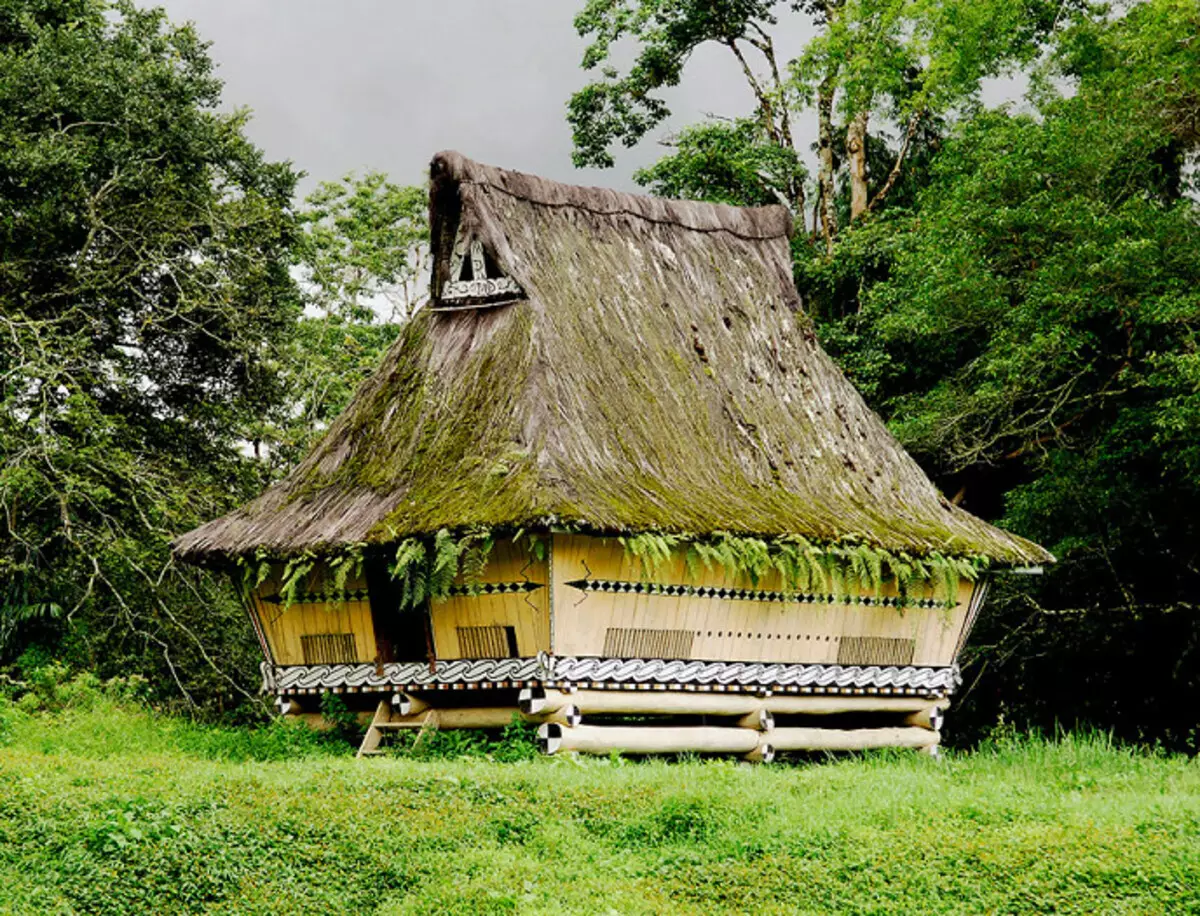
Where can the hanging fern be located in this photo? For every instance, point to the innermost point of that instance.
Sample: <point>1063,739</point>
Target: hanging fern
<point>842,568</point>
<point>255,570</point>
<point>650,549</point>
<point>295,575</point>
<point>427,569</point>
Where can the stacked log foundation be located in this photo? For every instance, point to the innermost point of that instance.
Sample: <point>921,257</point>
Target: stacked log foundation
<point>588,721</point>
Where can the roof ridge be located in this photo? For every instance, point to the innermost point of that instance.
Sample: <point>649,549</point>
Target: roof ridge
<point>749,223</point>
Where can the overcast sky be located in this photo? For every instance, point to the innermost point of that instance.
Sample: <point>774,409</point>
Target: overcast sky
<point>384,84</point>
<point>349,85</point>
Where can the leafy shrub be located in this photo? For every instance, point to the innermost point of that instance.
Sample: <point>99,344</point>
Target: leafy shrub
<point>516,742</point>
<point>344,722</point>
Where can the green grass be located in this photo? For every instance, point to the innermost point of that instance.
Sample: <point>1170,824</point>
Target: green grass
<point>108,809</point>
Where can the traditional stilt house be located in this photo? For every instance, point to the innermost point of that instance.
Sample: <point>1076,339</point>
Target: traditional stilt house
<point>609,472</point>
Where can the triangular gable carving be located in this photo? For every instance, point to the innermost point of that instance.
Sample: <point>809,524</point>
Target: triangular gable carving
<point>473,276</point>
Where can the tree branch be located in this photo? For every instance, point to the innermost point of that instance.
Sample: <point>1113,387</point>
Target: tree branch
<point>898,165</point>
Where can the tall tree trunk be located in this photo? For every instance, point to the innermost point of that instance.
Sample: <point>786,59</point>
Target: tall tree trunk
<point>825,160</point>
<point>894,174</point>
<point>856,153</point>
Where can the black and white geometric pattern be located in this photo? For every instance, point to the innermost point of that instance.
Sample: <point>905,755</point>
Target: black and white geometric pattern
<point>335,596</point>
<point>494,588</point>
<point>615,672</point>
<point>748,594</point>
<point>323,596</point>
<point>751,674</point>
<point>359,676</point>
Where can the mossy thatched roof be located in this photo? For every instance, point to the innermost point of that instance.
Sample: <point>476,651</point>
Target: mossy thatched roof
<point>658,374</point>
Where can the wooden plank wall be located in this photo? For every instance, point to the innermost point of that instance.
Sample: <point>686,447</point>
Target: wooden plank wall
<point>284,626</point>
<point>528,612</point>
<point>731,629</point>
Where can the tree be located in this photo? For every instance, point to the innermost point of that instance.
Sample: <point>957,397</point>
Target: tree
<point>1032,333</point>
<point>623,108</point>
<point>362,258</point>
<point>724,162</point>
<point>144,293</point>
<point>910,60</point>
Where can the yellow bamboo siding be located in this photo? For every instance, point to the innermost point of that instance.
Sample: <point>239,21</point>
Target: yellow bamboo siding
<point>284,627</point>
<point>734,629</point>
<point>528,613</point>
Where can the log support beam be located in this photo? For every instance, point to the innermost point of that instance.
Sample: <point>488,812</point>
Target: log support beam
<point>852,739</point>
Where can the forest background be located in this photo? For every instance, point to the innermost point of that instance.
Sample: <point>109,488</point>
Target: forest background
<point>1016,290</point>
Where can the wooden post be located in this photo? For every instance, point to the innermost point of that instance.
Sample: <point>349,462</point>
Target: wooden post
<point>760,719</point>
<point>790,704</point>
<point>931,718</point>
<point>851,739</point>
<point>652,702</point>
<point>477,717</point>
<point>405,705</point>
<point>533,700</point>
<point>764,753</point>
<point>668,702</point>
<point>604,739</point>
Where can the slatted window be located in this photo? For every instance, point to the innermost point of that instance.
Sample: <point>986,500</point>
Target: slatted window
<point>487,642</point>
<point>620,642</point>
<point>875,650</point>
<point>329,648</point>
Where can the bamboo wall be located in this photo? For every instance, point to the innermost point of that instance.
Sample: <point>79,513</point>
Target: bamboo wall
<point>466,622</point>
<point>318,623</point>
<point>713,628</point>
<point>522,606</point>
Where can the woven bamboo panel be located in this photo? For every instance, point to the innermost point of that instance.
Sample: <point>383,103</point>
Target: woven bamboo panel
<point>328,648</point>
<point>632,642</point>
<point>487,642</point>
<point>875,650</point>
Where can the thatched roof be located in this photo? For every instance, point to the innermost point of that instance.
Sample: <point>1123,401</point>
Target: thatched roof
<point>655,372</point>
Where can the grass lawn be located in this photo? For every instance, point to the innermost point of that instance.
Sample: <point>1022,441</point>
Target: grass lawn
<point>107,809</point>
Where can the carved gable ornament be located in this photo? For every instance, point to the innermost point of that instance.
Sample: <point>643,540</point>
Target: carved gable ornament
<point>474,279</point>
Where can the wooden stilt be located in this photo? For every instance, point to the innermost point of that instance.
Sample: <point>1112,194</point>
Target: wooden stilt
<point>931,717</point>
<point>851,739</point>
<point>836,705</point>
<point>477,717</point>
<point>629,702</point>
<point>633,702</point>
<point>405,705</point>
<point>604,739</point>
<point>760,719</point>
<point>764,753</point>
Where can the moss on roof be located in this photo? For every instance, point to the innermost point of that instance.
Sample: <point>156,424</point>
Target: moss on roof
<point>659,374</point>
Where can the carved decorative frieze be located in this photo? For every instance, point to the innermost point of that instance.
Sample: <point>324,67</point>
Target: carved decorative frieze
<point>631,673</point>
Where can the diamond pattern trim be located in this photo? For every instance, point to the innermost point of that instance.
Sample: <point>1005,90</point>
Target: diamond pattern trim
<point>615,586</point>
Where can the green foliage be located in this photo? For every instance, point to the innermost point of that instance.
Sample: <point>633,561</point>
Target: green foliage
<point>147,818</point>
<point>144,288</point>
<point>427,567</point>
<point>622,108</point>
<point>152,329</point>
<point>515,743</point>
<point>724,162</point>
<point>1030,330</point>
<point>910,62</point>
<point>341,719</point>
<point>907,57</point>
<point>363,246</point>
<point>362,254</point>
<point>803,566</point>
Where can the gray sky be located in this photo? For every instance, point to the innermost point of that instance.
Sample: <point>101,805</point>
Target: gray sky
<point>349,85</point>
<point>384,84</point>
